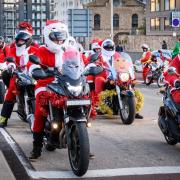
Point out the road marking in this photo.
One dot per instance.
(90, 173)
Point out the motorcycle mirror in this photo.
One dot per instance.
(94, 57)
(10, 59)
(172, 70)
(34, 59)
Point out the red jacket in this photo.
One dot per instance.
(146, 57)
(4, 53)
(172, 78)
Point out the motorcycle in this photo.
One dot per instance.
(25, 97)
(155, 73)
(169, 116)
(123, 101)
(68, 107)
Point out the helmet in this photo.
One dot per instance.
(23, 38)
(54, 33)
(2, 43)
(145, 46)
(108, 45)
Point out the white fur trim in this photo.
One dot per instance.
(9, 65)
(40, 89)
(32, 67)
(58, 60)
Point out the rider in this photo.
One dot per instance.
(4, 50)
(174, 79)
(20, 53)
(24, 26)
(145, 60)
(55, 33)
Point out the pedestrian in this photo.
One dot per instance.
(164, 45)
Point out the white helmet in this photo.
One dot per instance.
(145, 46)
(55, 31)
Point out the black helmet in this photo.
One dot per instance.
(1, 42)
(108, 45)
(23, 38)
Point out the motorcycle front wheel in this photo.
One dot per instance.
(170, 140)
(127, 111)
(78, 148)
(2, 92)
(149, 78)
(160, 81)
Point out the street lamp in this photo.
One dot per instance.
(111, 35)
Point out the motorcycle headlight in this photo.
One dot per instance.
(124, 77)
(75, 90)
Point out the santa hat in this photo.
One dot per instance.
(25, 27)
(95, 43)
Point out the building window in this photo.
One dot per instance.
(169, 4)
(134, 21)
(116, 20)
(97, 21)
(155, 24)
(117, 3)
(155, 5)
(167, 24)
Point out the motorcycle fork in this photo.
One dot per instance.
(118, 91)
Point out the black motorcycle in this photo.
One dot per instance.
(169, 118)
(68, 107)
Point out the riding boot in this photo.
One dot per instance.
(6, 113)
(37, 145)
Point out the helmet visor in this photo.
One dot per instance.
(21, 38)
(108, 46)
(58, 36)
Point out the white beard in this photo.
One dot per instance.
(20, 50)
(107, 54)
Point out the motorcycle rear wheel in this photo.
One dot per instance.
(160, 81)
(78, 148)
(128, 112)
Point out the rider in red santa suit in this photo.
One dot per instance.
(146, 58)
(55, 33)
(20, 53)
(174, 79)
(4, 50)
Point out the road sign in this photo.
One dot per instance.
(80, 22)
(176, 19)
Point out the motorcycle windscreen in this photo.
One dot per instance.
(72, 64)
(122, 62)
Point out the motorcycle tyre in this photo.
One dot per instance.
(132, 110)
(170, 140)
(150, 81)
(2, 92)
(158, 81)
(49, 147)
(80, 131)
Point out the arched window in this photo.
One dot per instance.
(134, 21)
(116, 20)
(97, 21)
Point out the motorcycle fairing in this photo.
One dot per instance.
(170, 107)
(57, 88)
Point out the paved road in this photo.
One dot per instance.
(115, 145)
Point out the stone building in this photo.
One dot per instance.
(128, 18)
(130, 23)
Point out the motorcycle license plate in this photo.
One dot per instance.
(78, 102)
